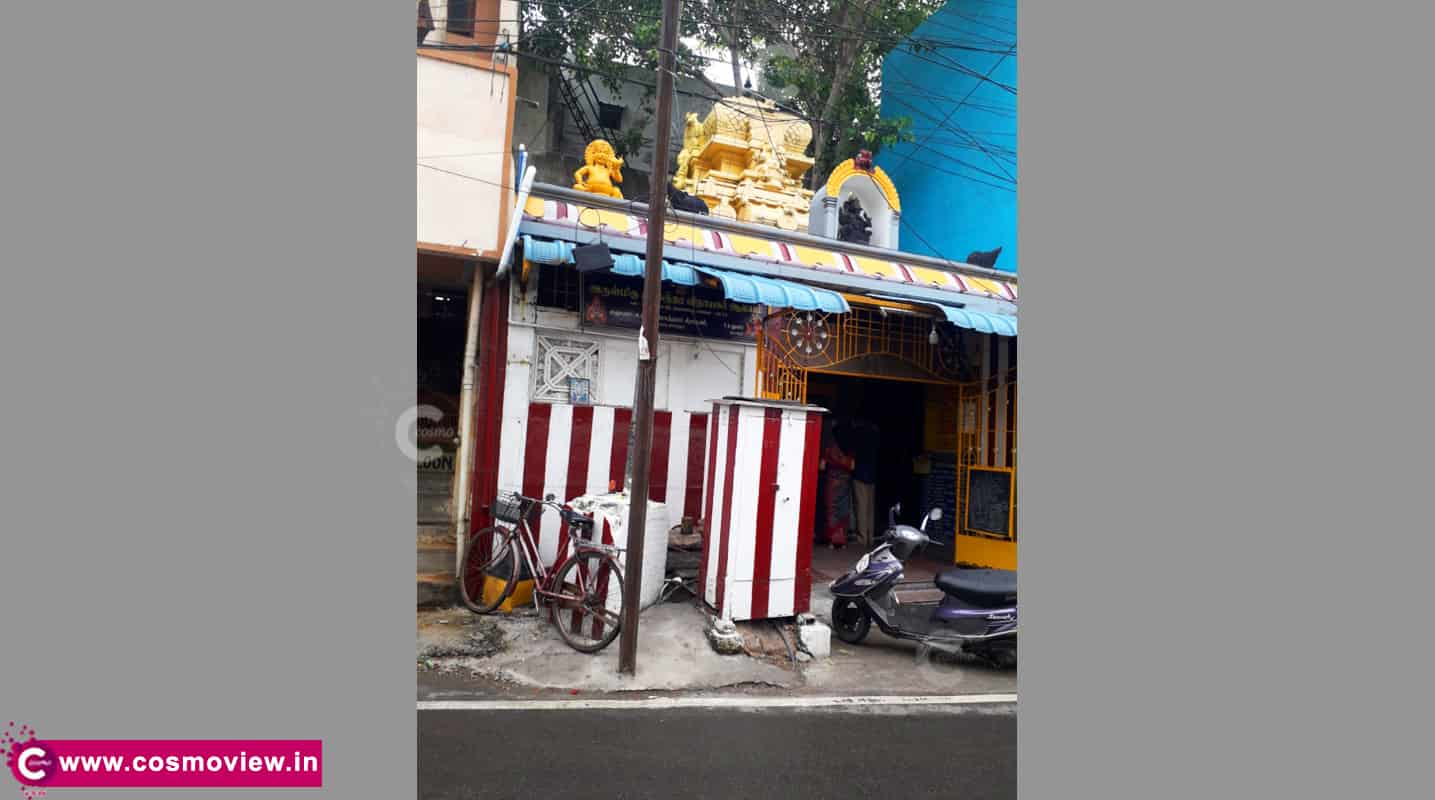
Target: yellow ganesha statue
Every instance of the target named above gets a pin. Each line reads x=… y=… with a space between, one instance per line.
x=602 y=170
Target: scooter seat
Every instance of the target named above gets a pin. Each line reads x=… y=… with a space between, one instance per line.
x=982 y=587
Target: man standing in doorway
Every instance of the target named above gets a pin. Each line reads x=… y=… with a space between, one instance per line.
x=864 y=477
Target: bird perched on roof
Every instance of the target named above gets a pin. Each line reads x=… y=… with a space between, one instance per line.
x=683 y=201
x=984 y=258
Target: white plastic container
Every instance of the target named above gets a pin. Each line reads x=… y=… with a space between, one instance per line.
x=613 y=509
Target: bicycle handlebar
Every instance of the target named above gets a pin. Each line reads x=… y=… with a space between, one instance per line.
x=570 y=517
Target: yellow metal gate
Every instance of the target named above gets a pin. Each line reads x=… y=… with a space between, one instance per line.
x=905 y=343
x=987 y=443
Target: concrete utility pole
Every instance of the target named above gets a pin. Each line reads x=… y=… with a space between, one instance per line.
x=648 y=346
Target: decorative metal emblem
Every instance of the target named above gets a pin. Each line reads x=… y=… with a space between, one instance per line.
x=807 y=333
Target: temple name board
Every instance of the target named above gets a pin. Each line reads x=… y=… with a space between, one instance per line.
x=699 y=311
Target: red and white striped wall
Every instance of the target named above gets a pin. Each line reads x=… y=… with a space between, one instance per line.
x=569 y=451
x=759 y=504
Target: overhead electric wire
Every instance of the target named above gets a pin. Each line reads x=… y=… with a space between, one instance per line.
x=723 y=23
x=617 y=77
x=1006 y=178
x=724 y=100
x=943 y=124
x=713 y=59
x=975 y=21
x=749 y=27
x=891 y=81
x=954 y=109
x=992 y=151
x=860 y=34
x=950 y=62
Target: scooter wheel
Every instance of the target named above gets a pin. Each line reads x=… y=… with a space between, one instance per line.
x=1004 y=659
x=1000 y=658
x=850 y=621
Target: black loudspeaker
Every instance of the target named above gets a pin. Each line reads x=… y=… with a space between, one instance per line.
x=592 y=257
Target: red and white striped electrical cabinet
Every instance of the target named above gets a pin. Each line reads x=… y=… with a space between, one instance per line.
x=758 y=505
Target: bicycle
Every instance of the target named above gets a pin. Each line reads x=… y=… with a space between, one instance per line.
x=584 y=588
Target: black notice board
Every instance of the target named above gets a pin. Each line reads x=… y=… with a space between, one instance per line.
x=700 y=311
x=989 y=501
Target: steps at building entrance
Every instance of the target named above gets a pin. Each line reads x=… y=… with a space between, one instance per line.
x=435 y=497
x=435 y=538
x=436 y=589
x=435 y=549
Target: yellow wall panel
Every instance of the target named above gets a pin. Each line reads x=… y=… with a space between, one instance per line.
x=748 y=245
x=931 y=277
x=982 y=284
x=877 y=268
x=812 y=257
x=984 y=552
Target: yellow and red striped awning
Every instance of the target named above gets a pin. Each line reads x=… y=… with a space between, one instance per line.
x=771 y=250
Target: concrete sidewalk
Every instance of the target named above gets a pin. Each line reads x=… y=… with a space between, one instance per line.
x=461 y=654
x=673 y=654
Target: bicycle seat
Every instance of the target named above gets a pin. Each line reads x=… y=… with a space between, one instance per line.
x=574 y=518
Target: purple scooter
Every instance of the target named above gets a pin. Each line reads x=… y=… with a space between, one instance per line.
x=977 y=614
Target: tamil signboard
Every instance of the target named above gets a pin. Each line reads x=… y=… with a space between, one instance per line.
x=699 y=311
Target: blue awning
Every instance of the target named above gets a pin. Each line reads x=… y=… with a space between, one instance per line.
x=777 y=293
x=540 y=251
x=980 y=321
x=736 y=286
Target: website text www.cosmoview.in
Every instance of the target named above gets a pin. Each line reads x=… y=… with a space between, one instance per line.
x=167 y=763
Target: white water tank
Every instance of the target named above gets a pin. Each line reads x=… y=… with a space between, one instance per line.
x=613 y=509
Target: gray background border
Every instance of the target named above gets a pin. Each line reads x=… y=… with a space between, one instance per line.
x=207 y=316
x=207 y=325
x=1222 y=454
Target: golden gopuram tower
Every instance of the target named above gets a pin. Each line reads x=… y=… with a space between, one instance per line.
x=746 y=162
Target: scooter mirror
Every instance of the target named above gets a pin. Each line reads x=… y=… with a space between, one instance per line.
x=936 y=514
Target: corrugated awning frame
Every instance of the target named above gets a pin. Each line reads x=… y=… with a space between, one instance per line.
x=739 y=287
x=971 y=319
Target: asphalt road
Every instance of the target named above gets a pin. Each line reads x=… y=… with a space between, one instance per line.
x=720 y=753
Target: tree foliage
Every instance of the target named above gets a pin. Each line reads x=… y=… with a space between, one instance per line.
x=836 y=73
x=833 y=73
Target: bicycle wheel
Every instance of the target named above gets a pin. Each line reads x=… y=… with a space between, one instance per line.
x=587 y=601
x=488 y=570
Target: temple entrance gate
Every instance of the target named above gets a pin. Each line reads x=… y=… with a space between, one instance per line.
x=971 y=414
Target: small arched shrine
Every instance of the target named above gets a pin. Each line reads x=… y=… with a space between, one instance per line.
x=857 y=179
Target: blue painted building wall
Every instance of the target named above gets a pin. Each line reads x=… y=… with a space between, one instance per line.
x=957 y=181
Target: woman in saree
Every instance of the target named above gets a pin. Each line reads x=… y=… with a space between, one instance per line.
x=837 y=466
